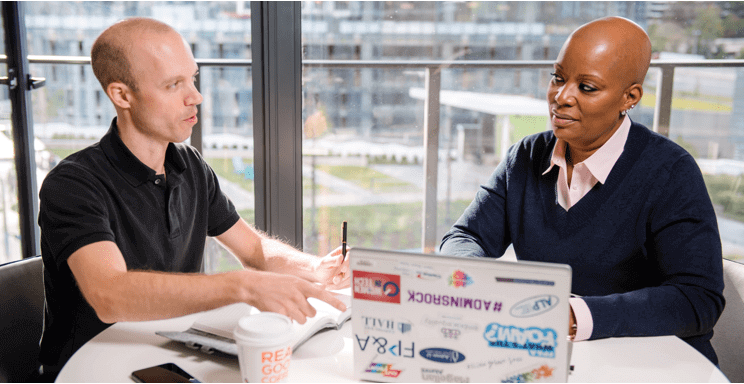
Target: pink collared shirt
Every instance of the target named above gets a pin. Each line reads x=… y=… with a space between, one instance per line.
x=585 y=175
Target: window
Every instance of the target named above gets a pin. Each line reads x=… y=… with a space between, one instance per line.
x=71 y=111
x=372 y=149
x=10 y=247
x=363 y=127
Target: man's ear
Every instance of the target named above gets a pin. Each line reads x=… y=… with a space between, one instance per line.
x=120 y=94
x=633 y=96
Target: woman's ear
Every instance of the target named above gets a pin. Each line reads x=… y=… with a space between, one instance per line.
x=633 y=96
x=120 y=94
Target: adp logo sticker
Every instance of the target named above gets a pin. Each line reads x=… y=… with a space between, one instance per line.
x=442 y=355
x=376 y=287
x=534 y=306
x=459 y=279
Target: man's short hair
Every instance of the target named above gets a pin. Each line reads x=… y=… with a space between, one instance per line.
x=110 y=64
x=110 y=53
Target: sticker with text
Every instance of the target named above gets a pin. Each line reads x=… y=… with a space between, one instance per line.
x=498 y=362
x=442 y=355
x=387 y=325
x=453 y=301
x=383 y=369
x=381 y=345
x=376 y=287
x=459 y=279
x=537 y=342
x=424 y=275
x=539 y=373
x=524 y=281
x=534 y=306
x=439 y=376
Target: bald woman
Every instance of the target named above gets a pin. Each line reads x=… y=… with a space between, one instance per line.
x=626 y=208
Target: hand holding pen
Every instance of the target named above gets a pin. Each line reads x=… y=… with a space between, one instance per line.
x=343 y=242
x=340 y=277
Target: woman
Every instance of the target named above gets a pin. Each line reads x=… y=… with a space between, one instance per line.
x=626 y=208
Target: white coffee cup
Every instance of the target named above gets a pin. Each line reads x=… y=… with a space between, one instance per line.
x=264 y=347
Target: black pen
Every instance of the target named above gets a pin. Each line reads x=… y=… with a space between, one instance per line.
x=343 y=242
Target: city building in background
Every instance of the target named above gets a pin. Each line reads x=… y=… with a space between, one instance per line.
x=363 y=136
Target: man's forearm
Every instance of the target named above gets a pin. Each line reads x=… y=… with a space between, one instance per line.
x=283 y=258
x=145 y=295
x=256 y=250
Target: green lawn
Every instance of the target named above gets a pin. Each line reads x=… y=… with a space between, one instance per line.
x=224 y=168
x=386 y=226
x=728 y=193
x=368 y=178
x=690 y=104
x=62 y=153
x=526 y=125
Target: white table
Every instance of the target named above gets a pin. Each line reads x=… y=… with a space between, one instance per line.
x=125 y=347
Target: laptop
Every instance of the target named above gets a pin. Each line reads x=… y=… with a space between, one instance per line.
x=435 y=318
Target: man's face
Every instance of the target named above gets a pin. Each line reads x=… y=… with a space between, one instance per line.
x=164 y=106
x=585 y=96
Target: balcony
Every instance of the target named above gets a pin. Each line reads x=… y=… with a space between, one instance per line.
x=440 y=145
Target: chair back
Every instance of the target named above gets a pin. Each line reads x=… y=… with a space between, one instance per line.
x=21 y=318
x=728 y=334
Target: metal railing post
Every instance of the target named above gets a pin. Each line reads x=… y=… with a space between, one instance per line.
x=431 y=158
x=663 y=108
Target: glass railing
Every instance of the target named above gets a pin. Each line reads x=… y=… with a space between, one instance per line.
x=682 y=100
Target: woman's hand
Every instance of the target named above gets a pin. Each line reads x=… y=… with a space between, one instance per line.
x=571 y=324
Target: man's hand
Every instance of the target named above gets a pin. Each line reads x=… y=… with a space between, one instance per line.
x=332 y=270
x=286 y=294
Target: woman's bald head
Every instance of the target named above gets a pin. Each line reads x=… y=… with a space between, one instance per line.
x=598 y=77
x=112 y=51
x=624 y=43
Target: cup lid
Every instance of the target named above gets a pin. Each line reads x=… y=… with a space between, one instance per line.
x=264 y=328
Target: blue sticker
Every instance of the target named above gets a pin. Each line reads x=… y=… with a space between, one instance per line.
x=537 y=341
x=442 y=355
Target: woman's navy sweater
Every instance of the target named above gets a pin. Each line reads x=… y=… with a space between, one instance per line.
x=644 y=247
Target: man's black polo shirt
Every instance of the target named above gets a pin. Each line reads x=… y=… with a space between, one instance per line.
x=104 y=193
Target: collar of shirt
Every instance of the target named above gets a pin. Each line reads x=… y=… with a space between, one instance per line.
x=129 y=166
x=600 y=163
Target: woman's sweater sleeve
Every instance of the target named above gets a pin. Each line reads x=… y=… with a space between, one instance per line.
x=684 y=246
x=482 y=231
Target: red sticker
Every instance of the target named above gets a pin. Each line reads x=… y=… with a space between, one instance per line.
x=376 y=287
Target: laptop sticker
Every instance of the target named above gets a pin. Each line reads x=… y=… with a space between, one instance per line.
x=534 y=306
x=376 y=287
x=536 y=341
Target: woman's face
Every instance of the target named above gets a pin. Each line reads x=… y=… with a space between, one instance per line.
x=587 y=93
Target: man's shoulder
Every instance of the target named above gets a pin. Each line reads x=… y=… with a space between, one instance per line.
x=189 y=155
x=83 y=161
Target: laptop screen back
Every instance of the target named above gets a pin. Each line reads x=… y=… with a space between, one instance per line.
x=433 y=318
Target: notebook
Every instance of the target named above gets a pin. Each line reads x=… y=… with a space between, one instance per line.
x=213 y=330
x=434 y=318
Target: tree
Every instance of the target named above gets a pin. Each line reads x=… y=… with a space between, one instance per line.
x=665 y=36
x=733 y=26
x=706 y=26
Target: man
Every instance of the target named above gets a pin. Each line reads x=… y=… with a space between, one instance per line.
x=626 y=208
x=124 y=221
